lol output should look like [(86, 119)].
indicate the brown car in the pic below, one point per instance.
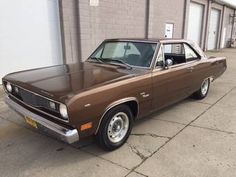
[(123, 80)]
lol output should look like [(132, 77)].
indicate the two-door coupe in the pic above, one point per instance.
[(123, 80)]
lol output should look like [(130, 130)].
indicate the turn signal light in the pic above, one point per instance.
[(86, 126)]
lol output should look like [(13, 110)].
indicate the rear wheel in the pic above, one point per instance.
[(203, 91), (115, 127)]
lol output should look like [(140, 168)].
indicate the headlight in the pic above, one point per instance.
[(63, 111), (9, 87)]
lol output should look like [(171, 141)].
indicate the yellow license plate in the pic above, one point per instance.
[(31, 122)]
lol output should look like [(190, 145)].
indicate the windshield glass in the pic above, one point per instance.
[(131, 53)]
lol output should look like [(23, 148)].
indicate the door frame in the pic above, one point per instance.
[(170, 23)]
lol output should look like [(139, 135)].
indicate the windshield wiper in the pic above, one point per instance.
[(118, 61), (97, 59), (103, 60)]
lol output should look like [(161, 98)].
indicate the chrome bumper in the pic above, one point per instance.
[(67, 135)]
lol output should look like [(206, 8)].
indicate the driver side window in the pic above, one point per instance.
[(174, 53)]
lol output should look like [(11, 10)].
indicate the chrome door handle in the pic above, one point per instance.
[(144, 95), (190, 69)]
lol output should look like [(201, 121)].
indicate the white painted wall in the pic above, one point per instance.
[(29, 35)]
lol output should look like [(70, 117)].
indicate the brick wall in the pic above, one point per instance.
[(87, 26), (116, 19), (167, 11), (70, 31), (111, 19)]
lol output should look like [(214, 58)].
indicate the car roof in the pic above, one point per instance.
[(152, 40)]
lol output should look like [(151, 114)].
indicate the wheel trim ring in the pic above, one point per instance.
[(204, 87), (117, 136)]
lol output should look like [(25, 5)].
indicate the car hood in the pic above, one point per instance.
[(64, 81)]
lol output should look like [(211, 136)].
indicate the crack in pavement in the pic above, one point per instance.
[(204, 103), (95, 155), (133, 148), (136, 151), (139, 174), (70, 145), (150, 134), (170, 121), (180, 131), (213, 129)]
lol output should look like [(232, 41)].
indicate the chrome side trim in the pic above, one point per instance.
[(58, 131), (116, 103)]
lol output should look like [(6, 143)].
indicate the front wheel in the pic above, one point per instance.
[(203, 91), (115, 127)]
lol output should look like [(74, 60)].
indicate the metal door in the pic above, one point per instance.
[(213, 29), (195, 22)]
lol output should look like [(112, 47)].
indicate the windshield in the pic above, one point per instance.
[(138, 54)]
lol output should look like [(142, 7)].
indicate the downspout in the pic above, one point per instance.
[(232, 29), (77, 23), (79, 50), (61, 15), (207, 25), (147, 18), (184, 19)]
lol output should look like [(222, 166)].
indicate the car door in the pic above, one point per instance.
[(172, 83), (198, 69)]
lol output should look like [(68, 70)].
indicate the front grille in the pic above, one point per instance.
[(28, 98), (33, 99), (40, 113), (36, 101)]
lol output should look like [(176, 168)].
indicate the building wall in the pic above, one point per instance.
[(111, 19), (70, 30), (84, 27), (224, 22), (162, 12)]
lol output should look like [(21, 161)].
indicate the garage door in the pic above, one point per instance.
[(213, 29), (195, 22), (29, 35)]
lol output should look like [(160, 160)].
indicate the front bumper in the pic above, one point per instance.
[(67, 135)]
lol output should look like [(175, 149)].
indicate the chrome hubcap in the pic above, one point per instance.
[(118, 127), (204, 87)]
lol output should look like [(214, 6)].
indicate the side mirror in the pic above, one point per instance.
[(168, 63)]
